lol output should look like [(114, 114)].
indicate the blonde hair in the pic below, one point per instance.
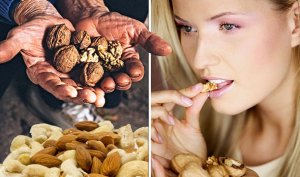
[(178, 74)]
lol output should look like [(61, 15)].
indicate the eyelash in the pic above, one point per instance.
[(228, 27), (186, 29)]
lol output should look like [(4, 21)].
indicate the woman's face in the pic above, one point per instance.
[(243, 45)]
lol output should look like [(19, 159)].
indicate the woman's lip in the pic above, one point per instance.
[(221, 90)]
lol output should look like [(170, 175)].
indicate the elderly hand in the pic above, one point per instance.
[(129, 32), (34, 18)]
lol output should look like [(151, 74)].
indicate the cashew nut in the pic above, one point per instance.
[(69, 169), (19, 141), (104, 126), (125, 157), (133, 169), (53, 172), (4, 173), (70, 154), (13, 166), (42, 132), (127, 139), (142, 151), (180, 160), (141, 132), (35, 170)]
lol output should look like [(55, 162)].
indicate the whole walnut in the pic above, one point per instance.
[(66, 58), (91, 74), (81, 39), (59, 35)]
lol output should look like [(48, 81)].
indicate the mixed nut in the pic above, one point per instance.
[(88, 150), (189, 165), (95, 56)]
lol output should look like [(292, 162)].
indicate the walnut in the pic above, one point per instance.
[(81, 39), (59, 35), (110, 59), (89, 55), (66, 58), (100, 43), (92, 73)]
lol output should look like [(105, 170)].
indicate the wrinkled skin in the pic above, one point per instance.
[(28, 39), (129, 32)]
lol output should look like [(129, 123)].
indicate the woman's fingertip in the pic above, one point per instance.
[(197, 87), (187, 101), (160, 140), (171, 120), (152, 163)]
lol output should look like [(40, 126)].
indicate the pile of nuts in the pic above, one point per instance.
[(88, 150), (94, 56), (189, 165)]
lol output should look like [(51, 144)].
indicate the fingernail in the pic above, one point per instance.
[(197, 87), (171, 120), (153, 163), (160, 140), (187, 101)]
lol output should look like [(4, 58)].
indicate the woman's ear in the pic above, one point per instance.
[(294, 21)]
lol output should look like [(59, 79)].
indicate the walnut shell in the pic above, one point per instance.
[(81, 39), (92, 73), (66, 58), (59, 35), (100, 43)]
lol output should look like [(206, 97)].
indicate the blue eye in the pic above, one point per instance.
[(228, 26)]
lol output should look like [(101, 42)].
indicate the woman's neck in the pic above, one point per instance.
[(270, 125)]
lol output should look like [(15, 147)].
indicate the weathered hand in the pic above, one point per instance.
[(129, 32), (28, 39)]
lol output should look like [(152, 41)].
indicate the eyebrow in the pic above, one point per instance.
[(224, 14), (181, 19)]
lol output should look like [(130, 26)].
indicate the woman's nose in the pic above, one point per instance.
[(206, 54)]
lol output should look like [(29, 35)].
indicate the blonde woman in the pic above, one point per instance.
[(250, 49)]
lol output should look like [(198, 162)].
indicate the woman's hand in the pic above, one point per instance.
[(171, 136)]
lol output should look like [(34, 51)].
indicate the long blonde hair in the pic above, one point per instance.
[(178, 74)]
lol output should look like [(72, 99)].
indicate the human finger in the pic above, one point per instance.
[(100, 101), (158, 169), (155, 136), (8, 49), (192, 113), (108, 84), (159, 112), (135, 69), (85, 96), (123, 81)]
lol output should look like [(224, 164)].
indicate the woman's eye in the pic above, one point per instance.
[(187, 29), (228, 26)]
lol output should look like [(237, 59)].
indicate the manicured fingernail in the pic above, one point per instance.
[(171, 120), (153, 163), (187, 101), (197, 87), (160, 140)]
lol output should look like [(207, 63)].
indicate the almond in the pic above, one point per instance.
[(46, 160), (84, 137), (49, 150), (61, 142), (86, 125), (71, 131), (83, 158), (49, 143), (96, 166), (97, 145), (97, 154), (73, 145), (111, 147), (111, 164)]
